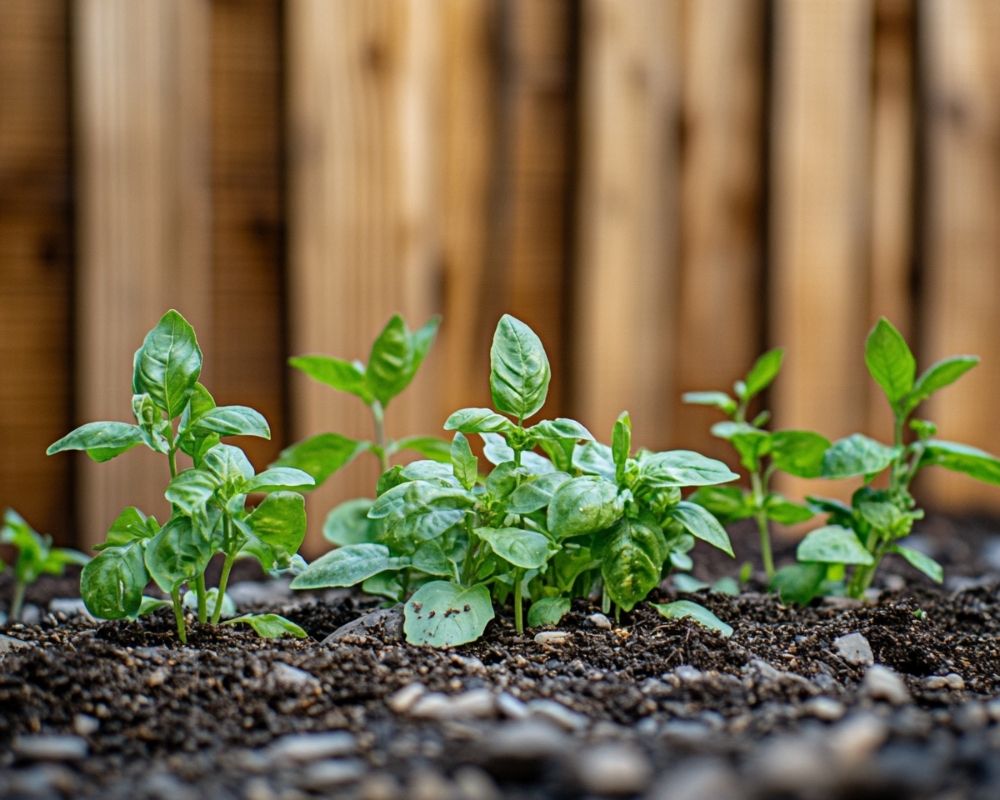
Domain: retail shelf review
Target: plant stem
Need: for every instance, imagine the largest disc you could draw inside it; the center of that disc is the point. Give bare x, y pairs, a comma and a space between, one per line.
760, 516
518, 603
18, 601
221, 592
378, 415
175, 597
202, 599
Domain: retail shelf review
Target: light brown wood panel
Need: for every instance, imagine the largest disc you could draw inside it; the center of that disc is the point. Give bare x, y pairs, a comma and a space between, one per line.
722, 179
141, 98
248, 342
627, 241
364, 109
820, 213
962, 283
35, 262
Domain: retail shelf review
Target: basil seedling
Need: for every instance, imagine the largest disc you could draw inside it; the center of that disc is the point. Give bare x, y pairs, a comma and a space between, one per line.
762, 453
861, 534
175, 414
543, 527
35, 557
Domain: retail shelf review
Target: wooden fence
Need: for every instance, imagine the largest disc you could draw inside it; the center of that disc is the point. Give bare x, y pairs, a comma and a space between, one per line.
661, 187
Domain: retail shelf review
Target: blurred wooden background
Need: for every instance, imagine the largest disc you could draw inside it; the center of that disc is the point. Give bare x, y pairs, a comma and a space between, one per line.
661, 188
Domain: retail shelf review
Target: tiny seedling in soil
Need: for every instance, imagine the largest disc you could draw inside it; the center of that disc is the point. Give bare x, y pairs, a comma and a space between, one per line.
543, 527
174, 415
859, 535
35, 556
762, 454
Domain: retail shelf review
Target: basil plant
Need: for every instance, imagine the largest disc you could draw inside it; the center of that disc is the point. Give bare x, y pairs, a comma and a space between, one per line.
552, 515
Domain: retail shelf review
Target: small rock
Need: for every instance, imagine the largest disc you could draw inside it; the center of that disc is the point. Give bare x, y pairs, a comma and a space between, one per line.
473, 704
384, 623
258, 789
763, 670
292, 677
686, 732
403, 699
50, 747
530, 740
993, 709
552, 638
473, 783
511, 707
8, 644
70, 606
614, 769
854, 649
700, 780
164, 786
825, 708
558, 713
599, 620
324, 775
950, 681
156, 678
381, 786
426, 784
856, 739
42, 780
84, 724
688, 674
972, 716
788, 763
881, 683
303, 747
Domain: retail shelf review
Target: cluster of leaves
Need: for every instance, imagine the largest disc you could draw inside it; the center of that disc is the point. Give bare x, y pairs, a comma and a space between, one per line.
395, 357
545, 527
35, 556
175, 414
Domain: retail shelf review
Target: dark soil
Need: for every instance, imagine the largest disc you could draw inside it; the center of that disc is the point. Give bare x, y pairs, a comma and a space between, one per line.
648, 707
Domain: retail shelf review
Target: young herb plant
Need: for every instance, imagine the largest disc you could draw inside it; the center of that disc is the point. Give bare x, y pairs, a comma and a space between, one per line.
762, 453
35, 557
538, 528
175, 414
861, 534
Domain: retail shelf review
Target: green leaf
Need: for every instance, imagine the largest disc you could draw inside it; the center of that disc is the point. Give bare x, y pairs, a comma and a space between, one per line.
890, 361
229, 465
583, 505
131, 524
385, 584
719, 400
178, 553
431, 447
726, 503
920, 561
702, 525
344, 376
685, 609
151, 604
497, 452
833, 544
269, 626
785, 512
594, 458
962, 458
102, 441
764, 371
167, 365
191, 603
191, 490
798, 583
881, 515
559, 428
348, 523
524, 549
277, 528
535, 494
387, 373
937, 376
799, 453
621, 444
348, 566
444, 614
857, 455
519, 369
430, 558
682, 468
321, 455
233, 421
111, 584
633, 561
548, 611
478, 420
463, 462
280, 478
433, 471
751, 443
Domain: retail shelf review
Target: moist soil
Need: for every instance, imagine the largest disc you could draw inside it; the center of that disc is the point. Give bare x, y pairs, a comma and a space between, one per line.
637, 707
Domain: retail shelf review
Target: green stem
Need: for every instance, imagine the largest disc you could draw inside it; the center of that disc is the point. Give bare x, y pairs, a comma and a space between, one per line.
760, 516
18, 602
227, 567
175, 597
518, 602
202, 598
378, 415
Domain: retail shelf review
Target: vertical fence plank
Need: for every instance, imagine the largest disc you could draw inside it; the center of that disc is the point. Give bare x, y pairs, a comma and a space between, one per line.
627, 216
140, 76
962, 282
248, 345
819, 202
35, 261
720, 312
363, 187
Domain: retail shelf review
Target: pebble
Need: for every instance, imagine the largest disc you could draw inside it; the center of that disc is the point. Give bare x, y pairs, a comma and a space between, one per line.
9, 644
993, 709
950, 681
425, 784
472, 783
42, 780
599, 620
292, 677
528, 740
787, 763
558, 713
512, 707
304, 747
882, 683
614, 769
552, 638
70, 606
972, 717
854, 649
825, 708
473, 704
31, 614
688, 674
51, 747
381, 786
403, 699
84, 724
701, 779
856, 739
686, 731
324, 775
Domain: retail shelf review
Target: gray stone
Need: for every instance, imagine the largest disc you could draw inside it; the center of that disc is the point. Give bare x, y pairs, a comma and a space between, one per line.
614, 769
70, 606
512, 707
426, 784
472, 783
882, 683
825, 708
686, 731
528, 740
381, 786
304, 747
787, 763
323, 775
473, 704
51, 747
559, 714
552, 638
292, 677
854, 649
402, 700
31, 614
952, 681
8, 644
384, 623
856, 739
972, 716
84, 724
688, 674
262, 593
43, 780
599, 620
702, 779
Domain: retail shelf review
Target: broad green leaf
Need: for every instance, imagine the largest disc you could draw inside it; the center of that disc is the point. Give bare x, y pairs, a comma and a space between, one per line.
280, 478
685, 609
321, 455
726, 503
920, 561
151, 422
190, 602
348, 566
431, 447
178, 553
151, 604
348, 523
503, 480
633, 561
548, 611
269, 626
584, 505
477, 420
419, 508
833, 544
890, 361
751, 443
229, 465
594, 458
719, 400
432, 471
621, 444
764, 371
111, 584
344, 376
277, 527
881, 515
524, 549
535, 494
387, 372
385, 584
422, 339
102, 441
856, 455
689, 584
702, 525
937, 376
167, 365
786, 512
683, 468
962, 458
233, 421
560, 428
129, 525
444, 614
497, 452
798, 583
726, 585
799, 453
464, 463
519, 369
430, 558
191, 490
